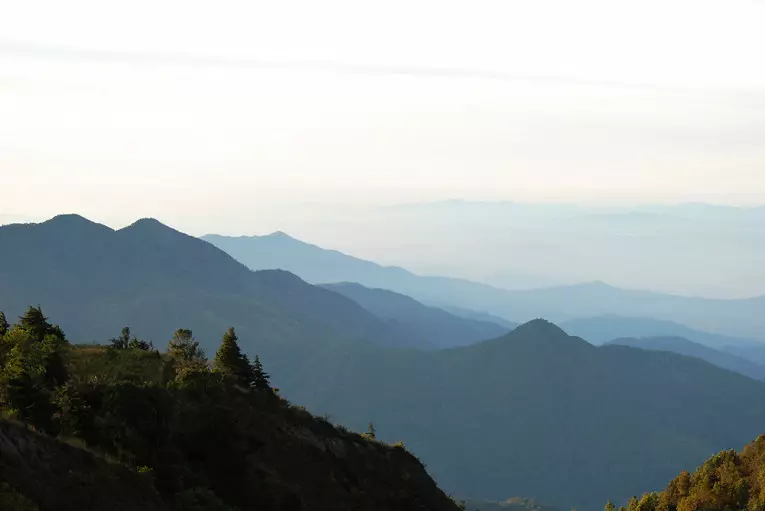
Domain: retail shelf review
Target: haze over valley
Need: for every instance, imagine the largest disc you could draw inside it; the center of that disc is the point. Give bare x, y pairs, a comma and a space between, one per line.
403, 256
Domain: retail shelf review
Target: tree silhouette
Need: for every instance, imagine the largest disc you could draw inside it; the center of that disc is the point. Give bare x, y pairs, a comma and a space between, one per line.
260, 378
230, 360
3, 324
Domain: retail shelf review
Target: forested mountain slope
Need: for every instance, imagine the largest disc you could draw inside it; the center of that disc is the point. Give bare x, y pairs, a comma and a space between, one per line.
542, 414
728, 480
180, 432
685, 347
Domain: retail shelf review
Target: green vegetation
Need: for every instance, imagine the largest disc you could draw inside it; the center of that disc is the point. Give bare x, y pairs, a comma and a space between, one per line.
728, 481
206, 437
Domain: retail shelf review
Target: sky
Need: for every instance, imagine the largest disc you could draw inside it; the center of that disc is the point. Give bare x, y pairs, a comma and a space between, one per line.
247, 117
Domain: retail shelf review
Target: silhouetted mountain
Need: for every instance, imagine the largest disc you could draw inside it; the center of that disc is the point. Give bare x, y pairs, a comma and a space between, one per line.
418, 323
156, 279
734, 317
688, 348
542, 414
534, 412
601, 329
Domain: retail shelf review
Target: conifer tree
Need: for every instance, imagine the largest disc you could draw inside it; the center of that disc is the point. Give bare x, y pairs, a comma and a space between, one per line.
35, 322
184, 347
230, 360
371, 432
260, 378
3, 324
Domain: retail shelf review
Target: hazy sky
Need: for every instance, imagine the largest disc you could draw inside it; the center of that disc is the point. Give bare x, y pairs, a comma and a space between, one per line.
224, 115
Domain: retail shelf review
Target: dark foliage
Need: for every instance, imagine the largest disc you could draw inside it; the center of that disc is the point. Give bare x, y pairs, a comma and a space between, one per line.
198, 438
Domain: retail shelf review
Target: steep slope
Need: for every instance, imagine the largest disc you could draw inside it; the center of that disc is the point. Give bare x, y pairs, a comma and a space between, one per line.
155, 279
429, 326
727, 480
56, 476
169, 432
688, 348
601, 329
745, 318
542, 414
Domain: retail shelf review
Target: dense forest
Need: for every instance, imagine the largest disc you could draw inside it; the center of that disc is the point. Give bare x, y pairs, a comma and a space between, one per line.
124, 426
728, 481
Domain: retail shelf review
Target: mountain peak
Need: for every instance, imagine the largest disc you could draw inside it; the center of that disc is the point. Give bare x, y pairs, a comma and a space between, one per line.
70, 219
279, 235
541, 327
69, 223
150, 226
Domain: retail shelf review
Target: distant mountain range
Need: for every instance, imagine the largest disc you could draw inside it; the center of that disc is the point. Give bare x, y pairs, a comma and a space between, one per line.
743, 318
94, 279
692, 349
601, 329
534, 412
422, 325
156, 279
542, 414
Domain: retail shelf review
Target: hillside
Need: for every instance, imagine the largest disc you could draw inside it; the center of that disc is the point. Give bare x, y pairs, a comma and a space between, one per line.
601, 329
179, 434
727, 480
743, 317
155, 279
688, 348
427, 326
542, 414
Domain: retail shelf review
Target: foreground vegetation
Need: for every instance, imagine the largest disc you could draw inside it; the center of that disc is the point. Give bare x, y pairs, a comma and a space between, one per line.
728, 481
202, 435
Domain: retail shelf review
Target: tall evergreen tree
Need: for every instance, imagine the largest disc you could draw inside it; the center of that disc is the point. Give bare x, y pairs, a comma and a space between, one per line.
230, 360
261, 379
35, 322
3, 324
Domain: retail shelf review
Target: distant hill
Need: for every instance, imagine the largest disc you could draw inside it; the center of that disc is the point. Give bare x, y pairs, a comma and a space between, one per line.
481, 316
421, 325
155, 279
542, 414
744, 318
601, 329
688, 348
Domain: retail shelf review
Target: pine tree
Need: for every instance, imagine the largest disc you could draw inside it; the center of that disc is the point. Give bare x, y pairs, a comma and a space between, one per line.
230, 360
35, 322
184, 347
371, 432
609, 506
3, 324
260, 378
